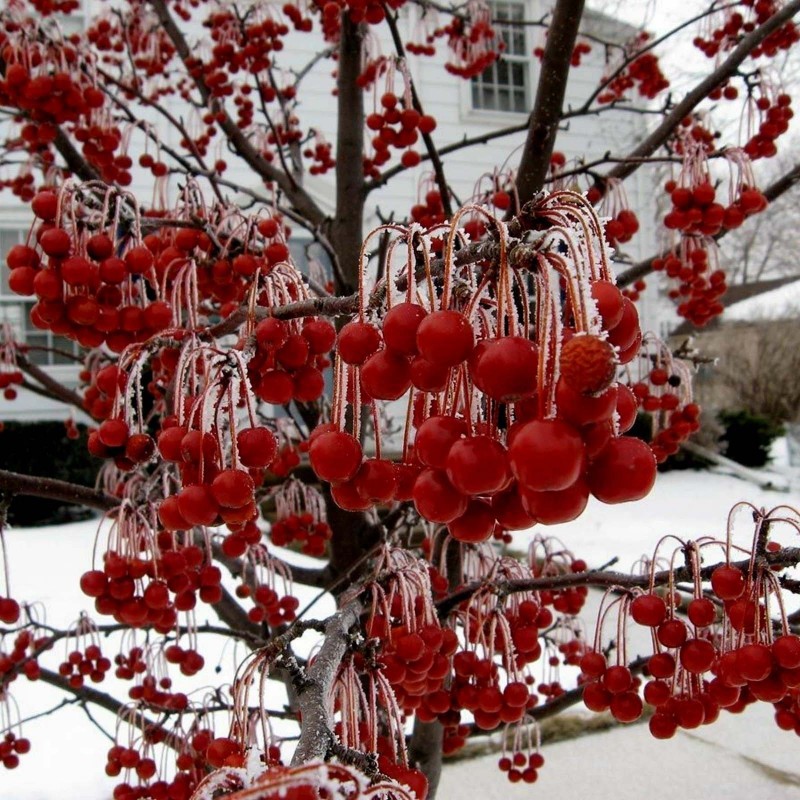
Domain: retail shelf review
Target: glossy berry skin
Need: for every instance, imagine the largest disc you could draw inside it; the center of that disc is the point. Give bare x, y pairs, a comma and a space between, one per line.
257, 447
335, 456
505, 368
435, 437
556, 507
649, 610
546, 455
697, 655
445, 338
609, 303
357, 341
509, 510
436, 498
475, 525
582, 409
400, 327
625, 470
478, 465
728, 582
386, 375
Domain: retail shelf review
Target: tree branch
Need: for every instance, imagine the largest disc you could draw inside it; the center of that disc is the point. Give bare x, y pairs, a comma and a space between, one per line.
15, 483
786, 557
313, 698
299, 198
56, 388
87, 694
550, 92
347, 229
728, 67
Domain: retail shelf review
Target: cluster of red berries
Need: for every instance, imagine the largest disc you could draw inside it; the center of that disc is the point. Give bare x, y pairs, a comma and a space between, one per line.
775, 117
397, 126
695, 209
236, 542
51, 93
681, 422
120, 589
747, 660
191, 763
18, 661
416, 663
610, 688
156, 694
622, 227
97, 290
289, 360
79, 289
147, 46
221, 276
699, 289
130, 665
128, 758
430, 212
91, 663
210, 494
321, 156
735, 25
643, 73
470, 479
568, 601
11, 748
188, 659
103, 383
246, 46
369, 11
521, 767
473, 42
269, 607
114, 440
312, 535
475, 687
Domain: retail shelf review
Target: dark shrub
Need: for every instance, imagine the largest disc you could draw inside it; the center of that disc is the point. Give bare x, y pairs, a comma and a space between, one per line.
43, 449
748, 437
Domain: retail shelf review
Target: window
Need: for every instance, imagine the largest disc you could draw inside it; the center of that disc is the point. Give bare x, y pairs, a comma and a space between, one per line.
46, 348
504, 85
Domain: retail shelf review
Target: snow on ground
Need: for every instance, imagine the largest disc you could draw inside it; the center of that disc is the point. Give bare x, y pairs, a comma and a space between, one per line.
737, 758
68, 753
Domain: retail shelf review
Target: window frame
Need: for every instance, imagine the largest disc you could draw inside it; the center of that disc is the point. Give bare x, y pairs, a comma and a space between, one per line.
471, 111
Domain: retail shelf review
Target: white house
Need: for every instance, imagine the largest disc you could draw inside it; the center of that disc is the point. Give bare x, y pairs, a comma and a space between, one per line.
499, 98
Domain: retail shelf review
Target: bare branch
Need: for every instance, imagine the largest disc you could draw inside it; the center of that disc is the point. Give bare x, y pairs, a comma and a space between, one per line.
547, 108
786, 557
299, 198
724, 71
347, 227
316, 730
16, 483
54, 387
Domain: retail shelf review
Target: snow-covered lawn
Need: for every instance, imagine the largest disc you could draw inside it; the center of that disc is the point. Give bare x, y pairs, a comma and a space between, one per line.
740, 757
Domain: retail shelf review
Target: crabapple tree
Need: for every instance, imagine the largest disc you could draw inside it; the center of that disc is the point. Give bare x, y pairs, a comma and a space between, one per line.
464, 370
